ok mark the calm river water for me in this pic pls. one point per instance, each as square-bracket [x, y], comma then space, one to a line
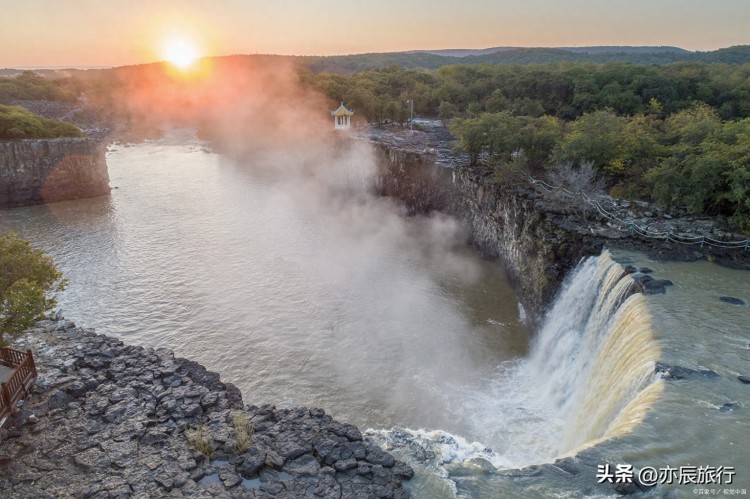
[378, 319]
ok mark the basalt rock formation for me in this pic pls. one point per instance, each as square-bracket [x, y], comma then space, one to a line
[42, 171]
[105, 419]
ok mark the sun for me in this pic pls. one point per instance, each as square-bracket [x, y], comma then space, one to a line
[181, 52]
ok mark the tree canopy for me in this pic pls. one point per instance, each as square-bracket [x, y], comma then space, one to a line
[28, 281]
[30, 86]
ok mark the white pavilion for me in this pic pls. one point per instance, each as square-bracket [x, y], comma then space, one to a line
[342, 118]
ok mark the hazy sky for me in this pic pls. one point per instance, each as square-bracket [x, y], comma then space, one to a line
[116, 32]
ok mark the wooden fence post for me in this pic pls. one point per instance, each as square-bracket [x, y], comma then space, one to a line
[4, 396]
[31, 362]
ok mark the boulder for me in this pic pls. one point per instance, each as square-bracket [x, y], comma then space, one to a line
[731, 300]
[679, 372]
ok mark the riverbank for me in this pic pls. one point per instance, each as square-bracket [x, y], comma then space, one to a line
[105, 419]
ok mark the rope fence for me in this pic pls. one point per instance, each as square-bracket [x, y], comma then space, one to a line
[635, 229]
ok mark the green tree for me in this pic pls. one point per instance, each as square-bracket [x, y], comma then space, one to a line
[28, 279]
[595, 137]
[446, 110]
[691, 126]
[537, 139]
[472, 135]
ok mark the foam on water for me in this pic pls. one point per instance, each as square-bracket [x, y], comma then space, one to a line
[589, 377]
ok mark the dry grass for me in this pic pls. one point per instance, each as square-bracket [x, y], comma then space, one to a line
[201, 440]
[243, 430]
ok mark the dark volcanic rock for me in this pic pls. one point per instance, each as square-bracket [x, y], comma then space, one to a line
[106, 419]
[642, 279]
[732, 300]
[647, 285]
[252, 461]
[680, 372]
[744, 379]
[656, 286]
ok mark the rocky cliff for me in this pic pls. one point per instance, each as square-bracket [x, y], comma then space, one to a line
[50, 170]
[537, 236]
[536, 253]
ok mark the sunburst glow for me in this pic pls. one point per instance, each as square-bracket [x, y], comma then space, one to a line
[180, 52]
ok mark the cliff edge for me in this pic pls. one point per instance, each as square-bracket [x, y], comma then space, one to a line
[40, 171]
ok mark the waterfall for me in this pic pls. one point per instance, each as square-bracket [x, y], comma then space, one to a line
[594, 356]
[589, 377]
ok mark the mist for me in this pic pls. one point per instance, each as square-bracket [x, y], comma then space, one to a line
[320, 292]
[394, 328]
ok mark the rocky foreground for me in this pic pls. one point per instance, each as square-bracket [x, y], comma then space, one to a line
[106, 419]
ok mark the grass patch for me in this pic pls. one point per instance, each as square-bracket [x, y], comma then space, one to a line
[18, 123]
[201, 440]
[243, 430]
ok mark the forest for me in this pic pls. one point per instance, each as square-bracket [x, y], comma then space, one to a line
[739, 54]
[677, 134]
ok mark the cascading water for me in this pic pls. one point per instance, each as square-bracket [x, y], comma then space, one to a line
[589, 376]
[595, 354]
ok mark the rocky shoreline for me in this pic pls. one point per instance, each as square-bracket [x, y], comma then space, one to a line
[105, 419]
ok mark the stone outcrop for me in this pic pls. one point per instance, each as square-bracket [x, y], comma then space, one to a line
[105, 419]
[536, 253]
[49, 170]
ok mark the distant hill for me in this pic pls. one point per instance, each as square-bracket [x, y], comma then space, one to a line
[602, 49]
[547, 55]
[433, 59]
[508, 55]
[739, 54]
[626, 49]
[47, 73]
[462, 52]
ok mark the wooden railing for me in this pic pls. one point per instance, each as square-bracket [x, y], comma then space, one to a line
[18, 385]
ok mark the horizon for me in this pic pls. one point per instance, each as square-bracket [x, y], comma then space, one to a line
[94, 67]
[84, 33]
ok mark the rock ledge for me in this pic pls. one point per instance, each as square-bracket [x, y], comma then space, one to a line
[105, 419]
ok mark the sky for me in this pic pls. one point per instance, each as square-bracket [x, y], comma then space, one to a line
[83, 33]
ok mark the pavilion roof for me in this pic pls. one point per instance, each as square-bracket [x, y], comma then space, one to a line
[342, 111]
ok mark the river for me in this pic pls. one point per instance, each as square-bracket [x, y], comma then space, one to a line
[302, 289]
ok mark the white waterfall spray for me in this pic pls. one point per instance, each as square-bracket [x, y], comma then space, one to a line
[595, 354]
[589, 377]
